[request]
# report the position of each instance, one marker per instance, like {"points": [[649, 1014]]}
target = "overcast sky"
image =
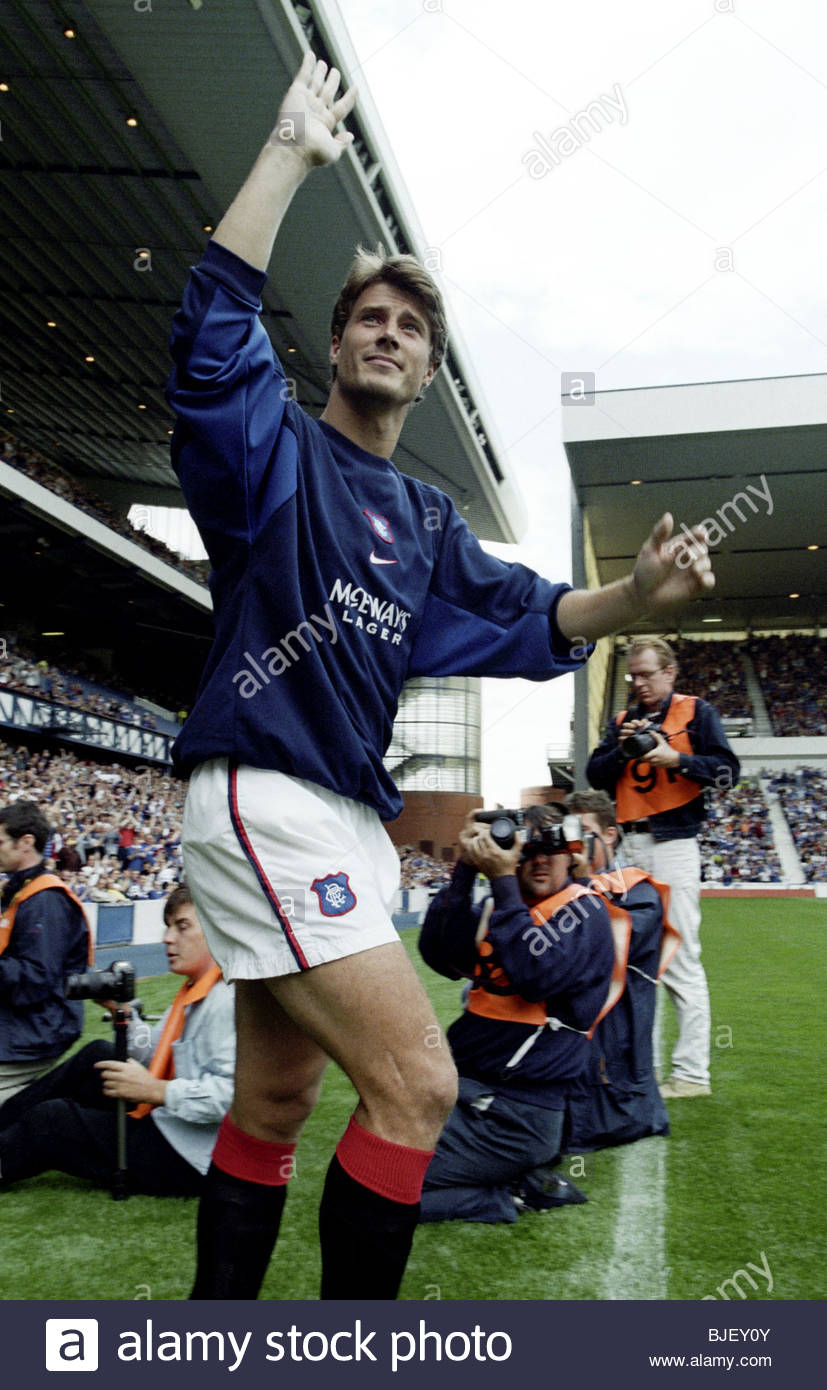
{"points": [[678, 237]]}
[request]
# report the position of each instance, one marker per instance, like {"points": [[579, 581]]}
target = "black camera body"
{"points": [[502, 825], [117, 983], [642, 741], [565, 838]]}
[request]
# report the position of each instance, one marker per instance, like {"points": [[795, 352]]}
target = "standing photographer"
{"points": [[540, 954], [67, 1120], [678, 749], [43, 938]]}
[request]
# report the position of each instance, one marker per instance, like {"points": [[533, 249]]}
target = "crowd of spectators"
{"points": [[420, 870], [715, 671], [38, 678], [60, 482], [803, 798], [24, 670], [117, 830], [791, 671], [736, 841]]}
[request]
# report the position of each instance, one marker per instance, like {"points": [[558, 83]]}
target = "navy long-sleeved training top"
{"points": [[335, 578]]}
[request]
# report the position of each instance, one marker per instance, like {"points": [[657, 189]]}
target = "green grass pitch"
{"points": [[732, 1195]]}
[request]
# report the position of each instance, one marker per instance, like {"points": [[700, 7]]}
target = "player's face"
{"points": [[651, 680], [187, 951], [384, 351], [543, 875]]}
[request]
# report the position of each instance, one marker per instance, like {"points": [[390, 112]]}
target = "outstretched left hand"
{"points": [[671, 570]]}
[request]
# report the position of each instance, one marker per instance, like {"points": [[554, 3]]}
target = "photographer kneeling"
{"points": [[67, 1120], [540, 953]]}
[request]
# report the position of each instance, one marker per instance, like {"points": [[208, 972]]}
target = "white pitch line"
{"points": [[637, 1265]]}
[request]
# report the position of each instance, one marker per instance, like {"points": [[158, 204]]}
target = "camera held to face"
{"points": [[116, 983], [565, 838], [502, 825]]}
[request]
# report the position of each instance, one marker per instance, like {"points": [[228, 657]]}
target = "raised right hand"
{"points": [[309, 114]]}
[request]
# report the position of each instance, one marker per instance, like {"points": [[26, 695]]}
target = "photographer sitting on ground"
{"points": [[540, 953], [67, 1121]]}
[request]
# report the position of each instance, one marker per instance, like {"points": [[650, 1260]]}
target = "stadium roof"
{"points": [[748, 456], [101, 219]]}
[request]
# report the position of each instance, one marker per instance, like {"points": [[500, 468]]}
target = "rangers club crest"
{"points": [[335, 894], [380, 526]]}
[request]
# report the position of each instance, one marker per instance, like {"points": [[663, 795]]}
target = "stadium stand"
{"points": [[24, 670], [791, 672], [803, 797], [737, 840], [715, 670], [420, 870], [50, 476]]}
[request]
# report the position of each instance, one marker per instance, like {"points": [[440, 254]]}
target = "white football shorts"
{"points": [[284, 874]]}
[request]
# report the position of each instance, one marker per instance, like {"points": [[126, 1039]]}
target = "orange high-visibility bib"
{"points": [[643, 790], [492, 995], [38, 885], [619, 881]]}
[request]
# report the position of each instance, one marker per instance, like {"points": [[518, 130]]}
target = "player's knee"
{"points": [[443, 1088], [431, 1094], [275, 1112]]}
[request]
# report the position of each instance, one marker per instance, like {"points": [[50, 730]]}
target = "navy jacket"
{"points": [[616, 1099], [712, 763], [48, 942], [571, 976]]}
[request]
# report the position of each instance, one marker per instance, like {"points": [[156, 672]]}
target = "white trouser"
{"points": [[678, 864], [15, 1075]]}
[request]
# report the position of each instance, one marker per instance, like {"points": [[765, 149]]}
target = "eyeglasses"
{"points": [[647, 675]]}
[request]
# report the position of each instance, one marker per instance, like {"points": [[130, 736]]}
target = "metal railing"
{"points": [[36, 715]]}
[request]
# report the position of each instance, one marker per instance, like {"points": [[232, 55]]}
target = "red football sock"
{"points": [[255, 1160], [392, 1170]]}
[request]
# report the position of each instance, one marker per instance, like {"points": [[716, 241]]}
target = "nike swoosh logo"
{"points": [[377, 560]]}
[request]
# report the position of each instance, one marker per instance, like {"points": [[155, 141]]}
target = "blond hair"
{"points": [[656, 644]]}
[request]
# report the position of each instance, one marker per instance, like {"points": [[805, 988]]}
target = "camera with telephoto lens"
{"points": [[116, 983], [637, 744]]}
